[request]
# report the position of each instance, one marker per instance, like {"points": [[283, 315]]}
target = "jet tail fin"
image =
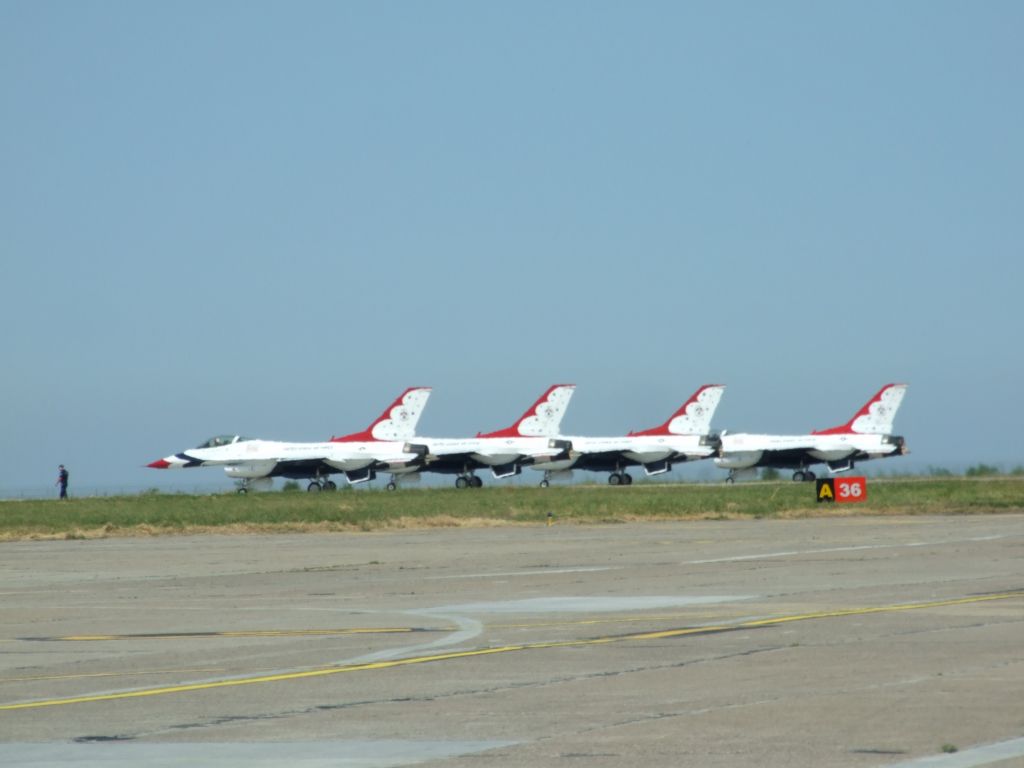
{"points": [[693, 417], [876, 416], [543, 418], [397, 422]]}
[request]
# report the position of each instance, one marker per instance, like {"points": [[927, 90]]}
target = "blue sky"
{"points": [[270, 218]]}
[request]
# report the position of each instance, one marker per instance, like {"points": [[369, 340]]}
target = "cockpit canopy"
{"points": [[219, 440]]}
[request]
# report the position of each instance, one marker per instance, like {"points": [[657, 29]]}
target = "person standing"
{"points": [[62, 481]]}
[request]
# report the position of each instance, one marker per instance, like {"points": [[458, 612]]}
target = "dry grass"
{"points": [[355, 512]]}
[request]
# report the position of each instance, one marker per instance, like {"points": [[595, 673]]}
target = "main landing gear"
{"points": [[321, 485], [804, 475], [468, 480], [620, 478]]}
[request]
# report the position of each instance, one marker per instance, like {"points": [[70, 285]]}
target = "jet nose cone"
{"points": [[159, 464]]}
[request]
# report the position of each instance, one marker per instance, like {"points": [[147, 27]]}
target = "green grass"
{"points": [[151, 513]]}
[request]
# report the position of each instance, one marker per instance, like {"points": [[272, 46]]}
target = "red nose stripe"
{"points": [[159, 464]]}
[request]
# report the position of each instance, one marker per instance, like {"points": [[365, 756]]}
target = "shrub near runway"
{"points": [[368, 510]]}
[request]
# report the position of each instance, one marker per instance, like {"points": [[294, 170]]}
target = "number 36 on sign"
{"points": [[843, 489]]}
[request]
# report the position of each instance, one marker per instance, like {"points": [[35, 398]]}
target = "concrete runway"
{"points": [[825, 642]]}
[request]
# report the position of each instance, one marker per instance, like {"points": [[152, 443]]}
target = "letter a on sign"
{"points": [[826, 490]]}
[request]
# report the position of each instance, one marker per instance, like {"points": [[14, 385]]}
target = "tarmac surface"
{"points": [[883, 641]]}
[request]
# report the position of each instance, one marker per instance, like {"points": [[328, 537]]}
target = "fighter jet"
{"points": [[685, 436], [252, 462], [868, 435], [506, 451]]}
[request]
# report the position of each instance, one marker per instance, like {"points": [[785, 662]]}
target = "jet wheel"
{"points": [[627, 479], [544, 483], [476, 482], [243, 491], [799, 476], [391, 486], [313, 487], [330, 486], [810, 477], [461, 482], [614, 479]]}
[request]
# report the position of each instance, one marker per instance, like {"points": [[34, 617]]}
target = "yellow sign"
{"points": [[826, 491], [843, 489]]}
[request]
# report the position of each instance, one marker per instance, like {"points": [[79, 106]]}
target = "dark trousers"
{"points": [[63, 490]]}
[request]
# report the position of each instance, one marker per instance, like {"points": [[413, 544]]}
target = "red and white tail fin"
{"points": [[694, 416], [543, 418], [398, 422], [877, 415]]}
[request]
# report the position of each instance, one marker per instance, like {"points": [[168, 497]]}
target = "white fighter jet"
{"points": [[685, 436], [381, 446], [868, 435], [506, 451]]}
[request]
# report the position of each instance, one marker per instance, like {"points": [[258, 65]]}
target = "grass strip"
{"points": [[372, 510]]}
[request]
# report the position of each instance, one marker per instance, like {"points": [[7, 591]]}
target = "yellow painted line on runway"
{"points": [[755, 623], [655, 635], [134, 673], [323, 672], [611, 620], [241, 633]]}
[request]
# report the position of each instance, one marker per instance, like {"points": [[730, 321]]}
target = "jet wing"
{"points": [[616, 461], [301, 469], [781, 451], [787, 458], [603, 461], [655, 453], [504, 457]]}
